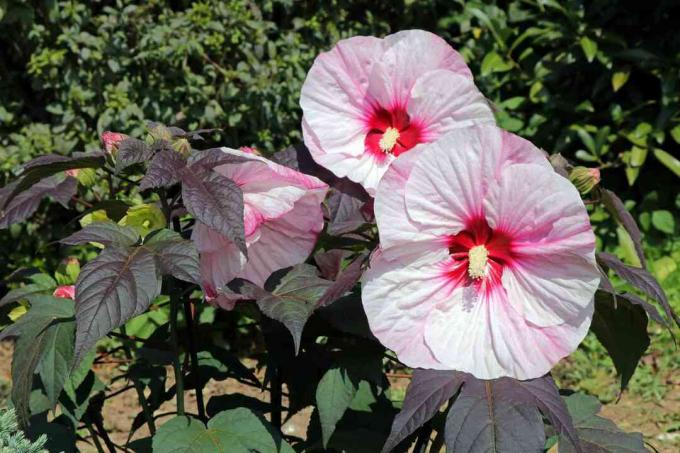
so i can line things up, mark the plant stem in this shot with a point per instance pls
(276, 397)
(95, 439)
(194, 359)
(423, 438)
(139, 387)
(179, 379)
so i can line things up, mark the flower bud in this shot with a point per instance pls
(111, 140)
(182, 146)
(65, 292)
(585, 179)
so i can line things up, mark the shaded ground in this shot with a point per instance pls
(657, 419)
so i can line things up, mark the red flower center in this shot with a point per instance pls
(479, 255)
(391, 132)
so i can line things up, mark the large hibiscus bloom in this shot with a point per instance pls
(368, 100)
(487, 258)
(282, 217)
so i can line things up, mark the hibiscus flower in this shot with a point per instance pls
(487, 261)
(282, 217)
(368, 100)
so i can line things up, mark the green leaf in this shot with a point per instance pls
(493, 62)
(233, 431)
(35, 338)
(597, 434)
(675, 133)
(334, 394)
(57, 357)
(668, 160)
(589, 48)
(663, 221)
(619, 79)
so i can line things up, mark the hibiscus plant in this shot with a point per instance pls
(408, 239)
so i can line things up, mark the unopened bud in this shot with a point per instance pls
(111, 140)
(182, 146)
(250, 150)
(585, 179)
(65, 292)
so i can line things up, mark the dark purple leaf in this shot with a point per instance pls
(107, 233)
(176, 256)
(164, 170)
(622, 330)
(346, 211)
(298, 158)
(210, 158)
(639, 278)
(597, 434)
(617, 209)
(330, 262)
(496, 415)
(215, 201)
(45, 166)
(294, 297)
(27, 202)
(427, 392)
(132, 151)
(345, 281)
(114, 287)
(488, 417)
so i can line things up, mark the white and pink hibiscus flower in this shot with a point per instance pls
(369, 100)
(487, 259)
(282, 218)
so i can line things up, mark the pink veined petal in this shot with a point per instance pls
(553, 274)
(516, 150)
(269, 189)
(442, 100)
(285, 241)
(220, 258)
(333, 96)
(485, 336)
(398, 298)
(410, 54)
(449, 179)
(398, 233)
(363, 169)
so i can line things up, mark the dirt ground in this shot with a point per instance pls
(655, 419)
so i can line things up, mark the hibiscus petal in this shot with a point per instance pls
(483, 335)
(448, 182)
(553, 274)
(398, 298)
(221, 260)
(285, 241)
(411, 53)
(398, 233)
(364, 169)
(333, 96)
(442, 100)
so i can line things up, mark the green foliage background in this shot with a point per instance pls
(598, 81)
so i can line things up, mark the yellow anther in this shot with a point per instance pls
(477, 259)
(389, 139)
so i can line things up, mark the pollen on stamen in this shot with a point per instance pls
(477, 260)
(389, 139)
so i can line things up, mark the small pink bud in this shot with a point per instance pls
(111, 140)
(73, 172)
(65, 292)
